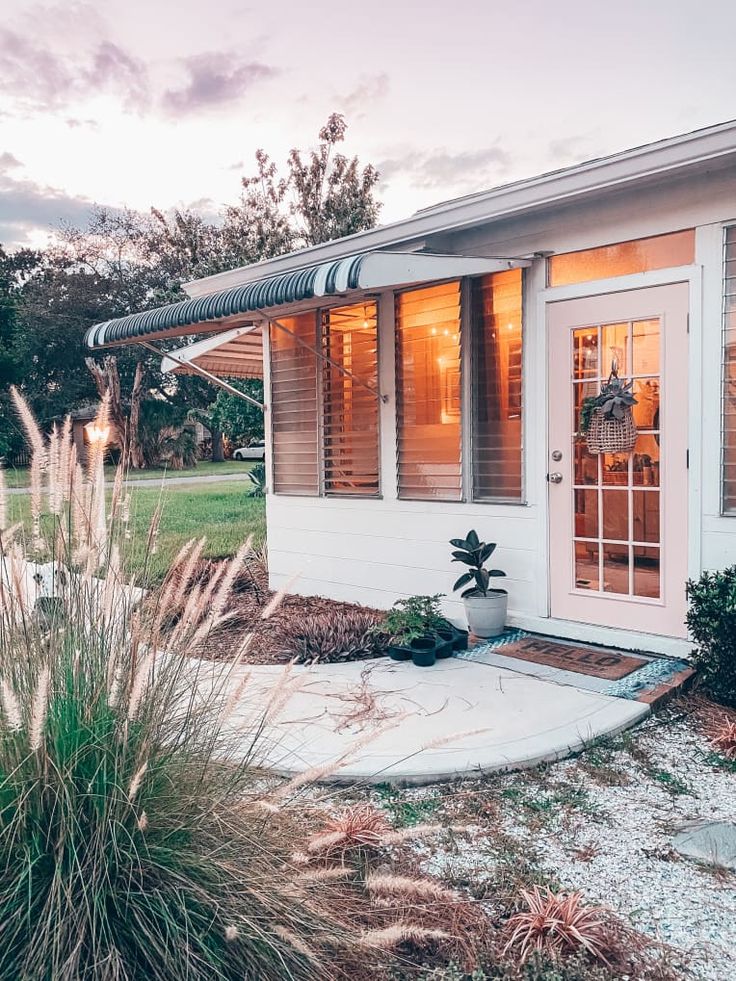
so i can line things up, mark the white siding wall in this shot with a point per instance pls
(375, 551)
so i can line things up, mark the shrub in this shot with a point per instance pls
(257, 477)
(338, 635)
(136, 835)
(711, 620)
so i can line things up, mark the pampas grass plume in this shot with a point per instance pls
(40, 708)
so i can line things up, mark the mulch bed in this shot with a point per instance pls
(251, 596)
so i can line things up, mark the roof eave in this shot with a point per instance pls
(683, 153)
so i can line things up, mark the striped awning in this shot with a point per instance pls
(237, 353)
(243, 304)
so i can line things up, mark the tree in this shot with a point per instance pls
(240, 421)
(14, 271)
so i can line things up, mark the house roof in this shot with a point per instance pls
(361, 272)
(688, 153)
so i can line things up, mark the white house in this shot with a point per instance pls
(426, 377)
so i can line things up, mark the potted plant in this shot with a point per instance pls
(485, 607)
(414, 626)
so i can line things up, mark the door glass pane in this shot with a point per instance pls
(646, 516)
(646, 461)
(615, 347)
(646, 347)
(585, 356)
(615, 469)
(616, 569)
(646, 572)
(586, 464)
(646, 410)
(586, 565)
(616, 515)
(586, 514)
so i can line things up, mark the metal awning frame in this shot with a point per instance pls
(322, 356)
(214, 379)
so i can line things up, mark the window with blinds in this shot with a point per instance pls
(728, 440)
(496, 319)
(428, 390)
(294, 407)
(350, 442)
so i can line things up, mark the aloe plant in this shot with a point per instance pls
(474, 553)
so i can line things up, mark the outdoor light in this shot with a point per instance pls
(96, 433)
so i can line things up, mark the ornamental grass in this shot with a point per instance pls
(136, 838)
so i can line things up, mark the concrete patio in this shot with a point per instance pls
(393, 722)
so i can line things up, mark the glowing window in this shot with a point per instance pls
(622, 259)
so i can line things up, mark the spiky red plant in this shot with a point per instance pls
(723, 737)
(355, 828)
(557, 923)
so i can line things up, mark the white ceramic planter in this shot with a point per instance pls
(486, 614)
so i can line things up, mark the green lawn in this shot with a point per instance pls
(225, 514)
(19, 478)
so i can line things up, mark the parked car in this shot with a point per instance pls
(256, 451)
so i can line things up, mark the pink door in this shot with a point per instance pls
(618, 521)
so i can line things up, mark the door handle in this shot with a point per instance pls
(554, 478)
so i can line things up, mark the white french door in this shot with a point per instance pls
(618, 521)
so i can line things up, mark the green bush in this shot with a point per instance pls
(711, 620)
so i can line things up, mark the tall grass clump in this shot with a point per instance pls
(137, 840)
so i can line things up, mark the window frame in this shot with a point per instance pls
(316, 340)
(725, 512)
(468, 331)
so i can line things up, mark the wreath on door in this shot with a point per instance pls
(607, 419)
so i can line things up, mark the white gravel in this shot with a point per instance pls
(625, 832)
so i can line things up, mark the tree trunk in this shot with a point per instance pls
(218, 450)
(107, 381)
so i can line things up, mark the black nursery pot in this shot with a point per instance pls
(424, 651)
(399, 653)
(445, 641)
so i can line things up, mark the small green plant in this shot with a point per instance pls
(257, 477)
(711, 620)
(474, 553)
(416, 616)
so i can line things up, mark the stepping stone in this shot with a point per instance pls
(712, 842)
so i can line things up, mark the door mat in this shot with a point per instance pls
(607, 664)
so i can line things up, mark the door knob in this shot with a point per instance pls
(554, 478)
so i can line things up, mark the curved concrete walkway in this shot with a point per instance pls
(392, 722)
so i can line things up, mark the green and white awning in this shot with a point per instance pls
(252, 302)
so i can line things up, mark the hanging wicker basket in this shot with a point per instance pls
(606, 434)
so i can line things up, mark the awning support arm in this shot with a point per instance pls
(204, 374)
(320, 354)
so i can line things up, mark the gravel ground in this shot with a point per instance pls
(603, 824)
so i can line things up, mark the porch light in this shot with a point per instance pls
(96, 434)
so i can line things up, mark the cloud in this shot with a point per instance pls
(442, 169)
(41, 76)
(27, 207)
(214, 79)
(370, 89)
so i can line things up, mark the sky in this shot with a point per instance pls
(163, 103)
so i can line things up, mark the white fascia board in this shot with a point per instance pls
(619, 170)
(191, 351)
